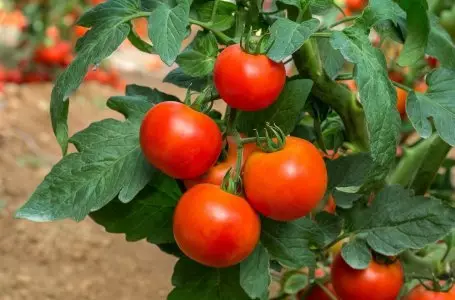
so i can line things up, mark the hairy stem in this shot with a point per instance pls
(420, 164)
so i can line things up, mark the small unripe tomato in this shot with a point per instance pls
(215, 228)
(376, 282)
(287, 184)
(421, 293)
(402, 97)
(216, 174)
(181, 142)
(246, 81)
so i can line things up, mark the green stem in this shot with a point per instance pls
(339, 238)
(214, 10)
(420, 164)
(345, 76)
(402, 86)
(344, 20)
(409, 257)
(239, 161)
(326, 35)
(326, 291)
(221, 36)
(308, 63)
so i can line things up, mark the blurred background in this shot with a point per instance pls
(63, 260)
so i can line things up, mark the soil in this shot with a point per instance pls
(64, 260)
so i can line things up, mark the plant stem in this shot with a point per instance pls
(344, 102)
(409, 257)
(344, 20)
(326, 291)
(420, 164)
(339, 238)
(214, 10)
(239, 162)
(322, 34)
(221, 36)
(345, 76)
(402, 86)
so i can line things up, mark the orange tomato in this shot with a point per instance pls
(402, 96)
(421, 87)
(215, 228)
(273, 181)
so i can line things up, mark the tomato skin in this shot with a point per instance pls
(377, 282)
(421, 87)
(421, 293)
(246, 81)
(273, 181)
(80, 31)
(215, 174)
(215, 228)
(14, 76)
(402, 97)
(356, 5)
(180, 141)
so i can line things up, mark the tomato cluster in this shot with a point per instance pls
(212, 226)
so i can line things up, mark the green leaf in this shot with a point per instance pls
(167, 29)
(332, 60)
(378, 96)
(290, 242)
(397, 221)
(440, 44)
(285, 112)
(418, 31)
(356, 254)
(193, 281)
(295, 3)
(254, 273)
(345, 200)
(111, 13)
(149, 215)
(199, 57)
(333, 133)
(288, 36)
(329, 225)
(295, 282)
(224, 18)
(180, 79)
(348, 171)
(437, 103)
(153, 95)
(378, 11)
(109, 162)
(171, 249)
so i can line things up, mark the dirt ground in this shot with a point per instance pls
(64, 260)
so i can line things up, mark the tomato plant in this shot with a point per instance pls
(238, 189)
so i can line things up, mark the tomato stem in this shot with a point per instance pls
(224, 39)
(343, 20)
(139, 43)
(214, 10)
(326, 290)
(322, 34)
(345, 76)
(339, 238)
(402, 86)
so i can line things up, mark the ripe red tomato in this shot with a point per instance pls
(3, 74)
(396, 76)
(402, 97)
(180, 141)
(421, 293)
(215, 228)
(35, 77)
(287, 184)
(377, 282)
(432, 62)
(103, 77)
(356, 5)
(216, 174)
(246, 81)
(14, 76)
(331, 206)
